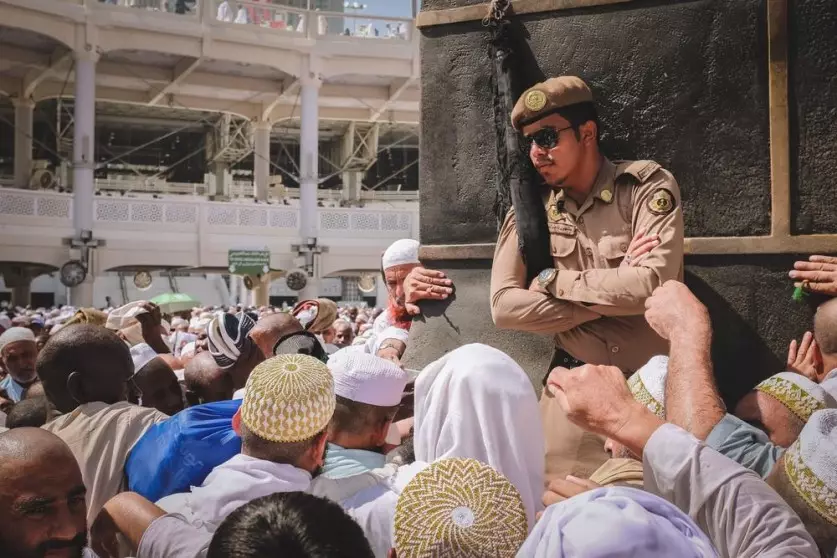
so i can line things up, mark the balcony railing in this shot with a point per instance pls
(279, 15)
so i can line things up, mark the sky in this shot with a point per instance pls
(390, 8)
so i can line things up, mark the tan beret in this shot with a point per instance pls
(543, 98)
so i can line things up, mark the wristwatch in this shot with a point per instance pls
(546, 277)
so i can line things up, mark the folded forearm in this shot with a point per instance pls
(524, 310)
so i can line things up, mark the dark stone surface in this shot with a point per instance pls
(749, 299)
(683, 83)
(813, 98)
(466, 318)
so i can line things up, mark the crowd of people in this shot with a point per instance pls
(251, 432)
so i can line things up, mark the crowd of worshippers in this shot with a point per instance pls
(245, 433)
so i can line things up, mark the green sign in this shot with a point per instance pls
(249, 262)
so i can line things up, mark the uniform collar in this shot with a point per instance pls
(604, 183)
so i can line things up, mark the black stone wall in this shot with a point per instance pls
(682, 82)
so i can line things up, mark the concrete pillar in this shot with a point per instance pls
(261, 291)
(24, 116)
(261, 160)
(21, 294)
(220, 179)
(84, 162)
(309, 171)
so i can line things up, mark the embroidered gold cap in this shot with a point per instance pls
(288, 398)
(648, 385)
(811, 464)
(796, 392)
(544, 98)
(459, 508)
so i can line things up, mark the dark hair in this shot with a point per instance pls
(278, 452)
(358, 418)
(33, 412)
(291, 525)
(405, 454)
(580, 113)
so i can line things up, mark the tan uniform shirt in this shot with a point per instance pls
(595, 307)
(101, 436)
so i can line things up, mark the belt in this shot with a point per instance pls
(562, 358)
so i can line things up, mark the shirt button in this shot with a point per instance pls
(614, 349)
(580, 220)
(560, 292)
(623, 247)
(589, 252)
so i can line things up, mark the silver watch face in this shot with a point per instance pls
(73, 273)
(546, 274)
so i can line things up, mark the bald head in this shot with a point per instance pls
(272, 327)
(42, 496)
(825, 327)
(84, 363)
(206, 381)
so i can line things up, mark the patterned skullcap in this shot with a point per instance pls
(288, 398)
(648, 385)
(401, 252)
(228, 337)
(796, 392)
(459, 508)
(811, 464)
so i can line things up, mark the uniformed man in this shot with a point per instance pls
(616, 233)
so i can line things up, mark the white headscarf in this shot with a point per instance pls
(616, 522)
(477, 402)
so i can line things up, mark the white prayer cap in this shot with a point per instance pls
(616, 522)
(5, 321)
(15, 334)
(799, 394)
(811, 464)
(391, 332)
(459, 508)
(648, 385)
(178, 322)
(367, 379)
(401, 252)
(124, 316)
(142, 354)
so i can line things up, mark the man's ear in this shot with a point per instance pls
(821, 373)
(588, 131)
(75, 387)
(317, 452)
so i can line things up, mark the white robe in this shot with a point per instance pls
(475, 402)
(231, 485)
(739, 512)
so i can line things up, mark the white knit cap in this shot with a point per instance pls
(799, 394)
(648, 385)
(15, 334)
(125, 316)
(811, 464)
(5, 321)
(142, 354)
(365, 378)
(401, 252)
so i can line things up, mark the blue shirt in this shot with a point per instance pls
(745, 444)
(13, 389)
(341, 462)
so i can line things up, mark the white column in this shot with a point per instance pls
(84, 161)
(309, 136)
(24, 116)
(261, 160)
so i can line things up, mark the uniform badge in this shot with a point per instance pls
(606, 195)
(661, 202)
(554, 214)
(535, 100)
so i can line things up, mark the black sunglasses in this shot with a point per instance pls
(547, 137)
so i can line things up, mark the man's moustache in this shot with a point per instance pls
(79, 542)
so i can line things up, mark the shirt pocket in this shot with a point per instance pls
(613, 248)
(563, 249)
